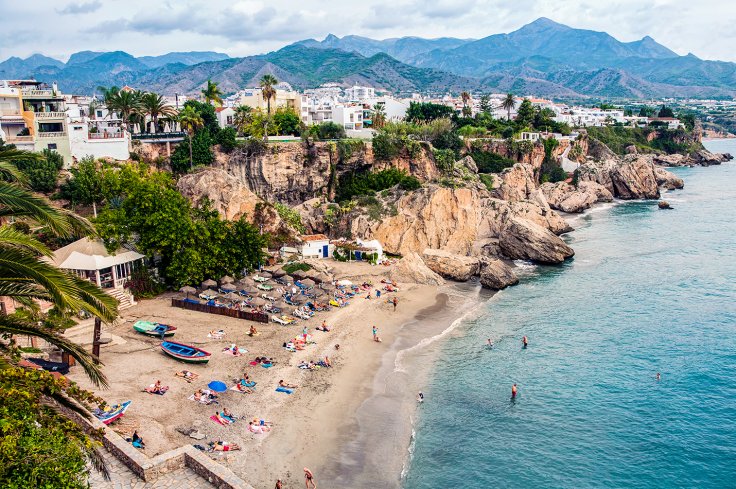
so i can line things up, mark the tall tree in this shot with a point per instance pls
(155, 106)
(466, 98)
(379, 116)
(108, 95)
(242, 118)
(127, 103)
(268, 90)
(190, 122)
(508, 103)
(41, 448)
(212, 94)
(485, 104)
(525, 114)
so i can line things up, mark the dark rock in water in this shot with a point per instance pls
(496, 275)
(663, 204)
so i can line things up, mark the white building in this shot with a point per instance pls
(359, 94)
(348, 116)
(225, 116)
(315, 246)
(394, 109)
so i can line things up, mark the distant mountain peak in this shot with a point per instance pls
(331, 38)
(545, 23)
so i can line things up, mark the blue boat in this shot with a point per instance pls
(111, 413)
(185, 353)
(154, 329)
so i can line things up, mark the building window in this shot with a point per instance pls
(52, 145)
(77, 128)
(99, 113)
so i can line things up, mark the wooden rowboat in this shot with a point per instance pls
(112, 413)
(154, 329)
(185, 353)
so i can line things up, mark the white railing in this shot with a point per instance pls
(106, 135)
(38, 93)
(50, 115)
(51, 134)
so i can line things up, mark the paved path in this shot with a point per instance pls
(123, 478)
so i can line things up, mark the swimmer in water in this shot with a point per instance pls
(513, 391)
(659, 376)
(420, 397)
(525, 342)
(490, 343)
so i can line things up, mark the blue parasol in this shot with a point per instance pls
(217, 386)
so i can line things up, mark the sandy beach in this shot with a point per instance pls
(310, 425)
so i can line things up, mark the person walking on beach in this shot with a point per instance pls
(513, 391)
(490, 343)
(375, 333)
(395, 301)
(378, 293)
(279, 485)
(309, 479)
(525, 342)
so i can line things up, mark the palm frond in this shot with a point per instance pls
(19, 202)
(12, 237)
(8, 171)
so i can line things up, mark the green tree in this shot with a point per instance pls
(287, 121)
(326, 131)
(212, 94)
(525, 114)
(268, 91)
(42, 173)
(155, 106)
(190, 122)
(665, 111)
(207, 113)
(200, 152)
(466, 98)
(379, 116)
(39, 447)
(85, 185)
(508, 103)
(427, 111)
(485, 104)
(127, 103)
(243, 118)
(646, 111)
(226, 138)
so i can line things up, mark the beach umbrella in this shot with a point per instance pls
(209, 292)
(298, 299)
(278, 273)
(227, 279)
(344, 282)
(280, 304)
(258, 301)
(217, 386)
(265, 274)
(308, 282)
(188, 290)
(322, 278)
(228, 287)
(209, 283)
(234, 297)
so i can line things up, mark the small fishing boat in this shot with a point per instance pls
(260, 279)
(154, 329)
(185, 353)
(264, 287)
(111, 413)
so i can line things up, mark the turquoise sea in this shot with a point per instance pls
(648, 291)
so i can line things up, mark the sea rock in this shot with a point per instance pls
(598, 172)
(598, 151)
(670, 160)
(667, 179)
(663, 204)
(522, 239)
(497, 275)
(516, 183)
(227, 194)
(706, 158)
(412, 269)
(450, 265)
(601, 192)
(634, 179)
(568, 198)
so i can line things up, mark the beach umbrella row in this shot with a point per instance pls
(228, 287)
(209, 283)
(227, 279)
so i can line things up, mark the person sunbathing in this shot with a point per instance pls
(252, 331)
(187, 375)
(224, 420)
(327, 362)
(222, 446)
(288, 386)
(258, 429)
(137, 441)
(243, 388)
(156, 388)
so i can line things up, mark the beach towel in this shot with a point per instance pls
(284, 390)
(217, 335)
(254, 363)
(266, 365)
(217, 420)
(163, 390)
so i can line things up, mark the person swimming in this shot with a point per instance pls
(525, 342)
(513, 391)
(659, 376)
(490, 343)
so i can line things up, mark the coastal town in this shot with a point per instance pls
(230, 288)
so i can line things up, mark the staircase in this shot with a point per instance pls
(125, 298)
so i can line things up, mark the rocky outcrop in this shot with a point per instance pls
(568, 198)
(706, 158)
(227, 194)
(450, 265)
(516, 183)
(668, 180)
(634, 179)
(670, 160)
(496, 275)
(525, 240)
(412, 269)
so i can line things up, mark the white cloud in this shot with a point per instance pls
(245, 27)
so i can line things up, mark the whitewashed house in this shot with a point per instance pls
(315, 246)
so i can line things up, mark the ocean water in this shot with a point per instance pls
(648, 291)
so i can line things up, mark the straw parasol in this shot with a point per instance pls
(322, 278)
(227, 279)
(281, 304)
(265, 274)
(298, 299)
(308, 282)
(278, 273)
(209, 283)
(234, 297)
(209, 292)
(229, 287)
(188, 290)
(258, 302)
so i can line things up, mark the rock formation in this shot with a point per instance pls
(634, 179)
(496, 275)
(668, 180)
(411, 269)
(227, 194)
(522, 239)
(450, 265)
(567, 198)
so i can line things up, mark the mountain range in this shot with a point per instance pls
(543, 58)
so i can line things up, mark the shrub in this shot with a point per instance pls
(326, 131)
(444, 159)
(290, 216)
(143, 285)
(487, 180)
(201, 152)
(290, 268)
(489, 162)
(353, 184)
(42, 174)
(226, 139)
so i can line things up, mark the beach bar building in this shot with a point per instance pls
(89, 259)
(315, 246)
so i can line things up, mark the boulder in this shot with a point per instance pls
(663, 204)
(706, 158)
(497, 275)
(566, 198)
(525, 240)
(450, 265)
(634, 179)
(601, 192)
(667, 179)
(469, 163)
(411, 269)
(516, 183)
(670, 160)
(228, 195)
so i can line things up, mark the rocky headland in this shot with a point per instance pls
(457, 225)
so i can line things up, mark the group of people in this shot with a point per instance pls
(157, 388)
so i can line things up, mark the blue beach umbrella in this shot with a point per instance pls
(217, 386)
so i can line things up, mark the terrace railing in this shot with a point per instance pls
(50, 115)
(52, 134)
(222, 311)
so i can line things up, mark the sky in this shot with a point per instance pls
(243, 27)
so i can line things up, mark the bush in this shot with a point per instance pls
(487, 180)
(326, 131)
(42, 175)
(226, 139)
(201, 152)
(288, 121)
(290, 216)
(290, 268)
(489, 162)
(143, 285)
(353, 184)
(444, 159)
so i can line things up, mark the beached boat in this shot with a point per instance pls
(154, 329)
(185, 353)
(264, 287)
(260, 279)
(112, 413)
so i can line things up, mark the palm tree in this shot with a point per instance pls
(379, 116)
(465, 96)
(508, 103)
(155, 106)
(108, 95)
(268, 90)
(243, 117)
(127, 103)
(190, 121)
(212, 93)
(26, 277)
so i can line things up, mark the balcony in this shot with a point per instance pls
(49, 135)
(19, 139)
(39, 94)
(106, 135)
(160, 137)
(50, 115)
